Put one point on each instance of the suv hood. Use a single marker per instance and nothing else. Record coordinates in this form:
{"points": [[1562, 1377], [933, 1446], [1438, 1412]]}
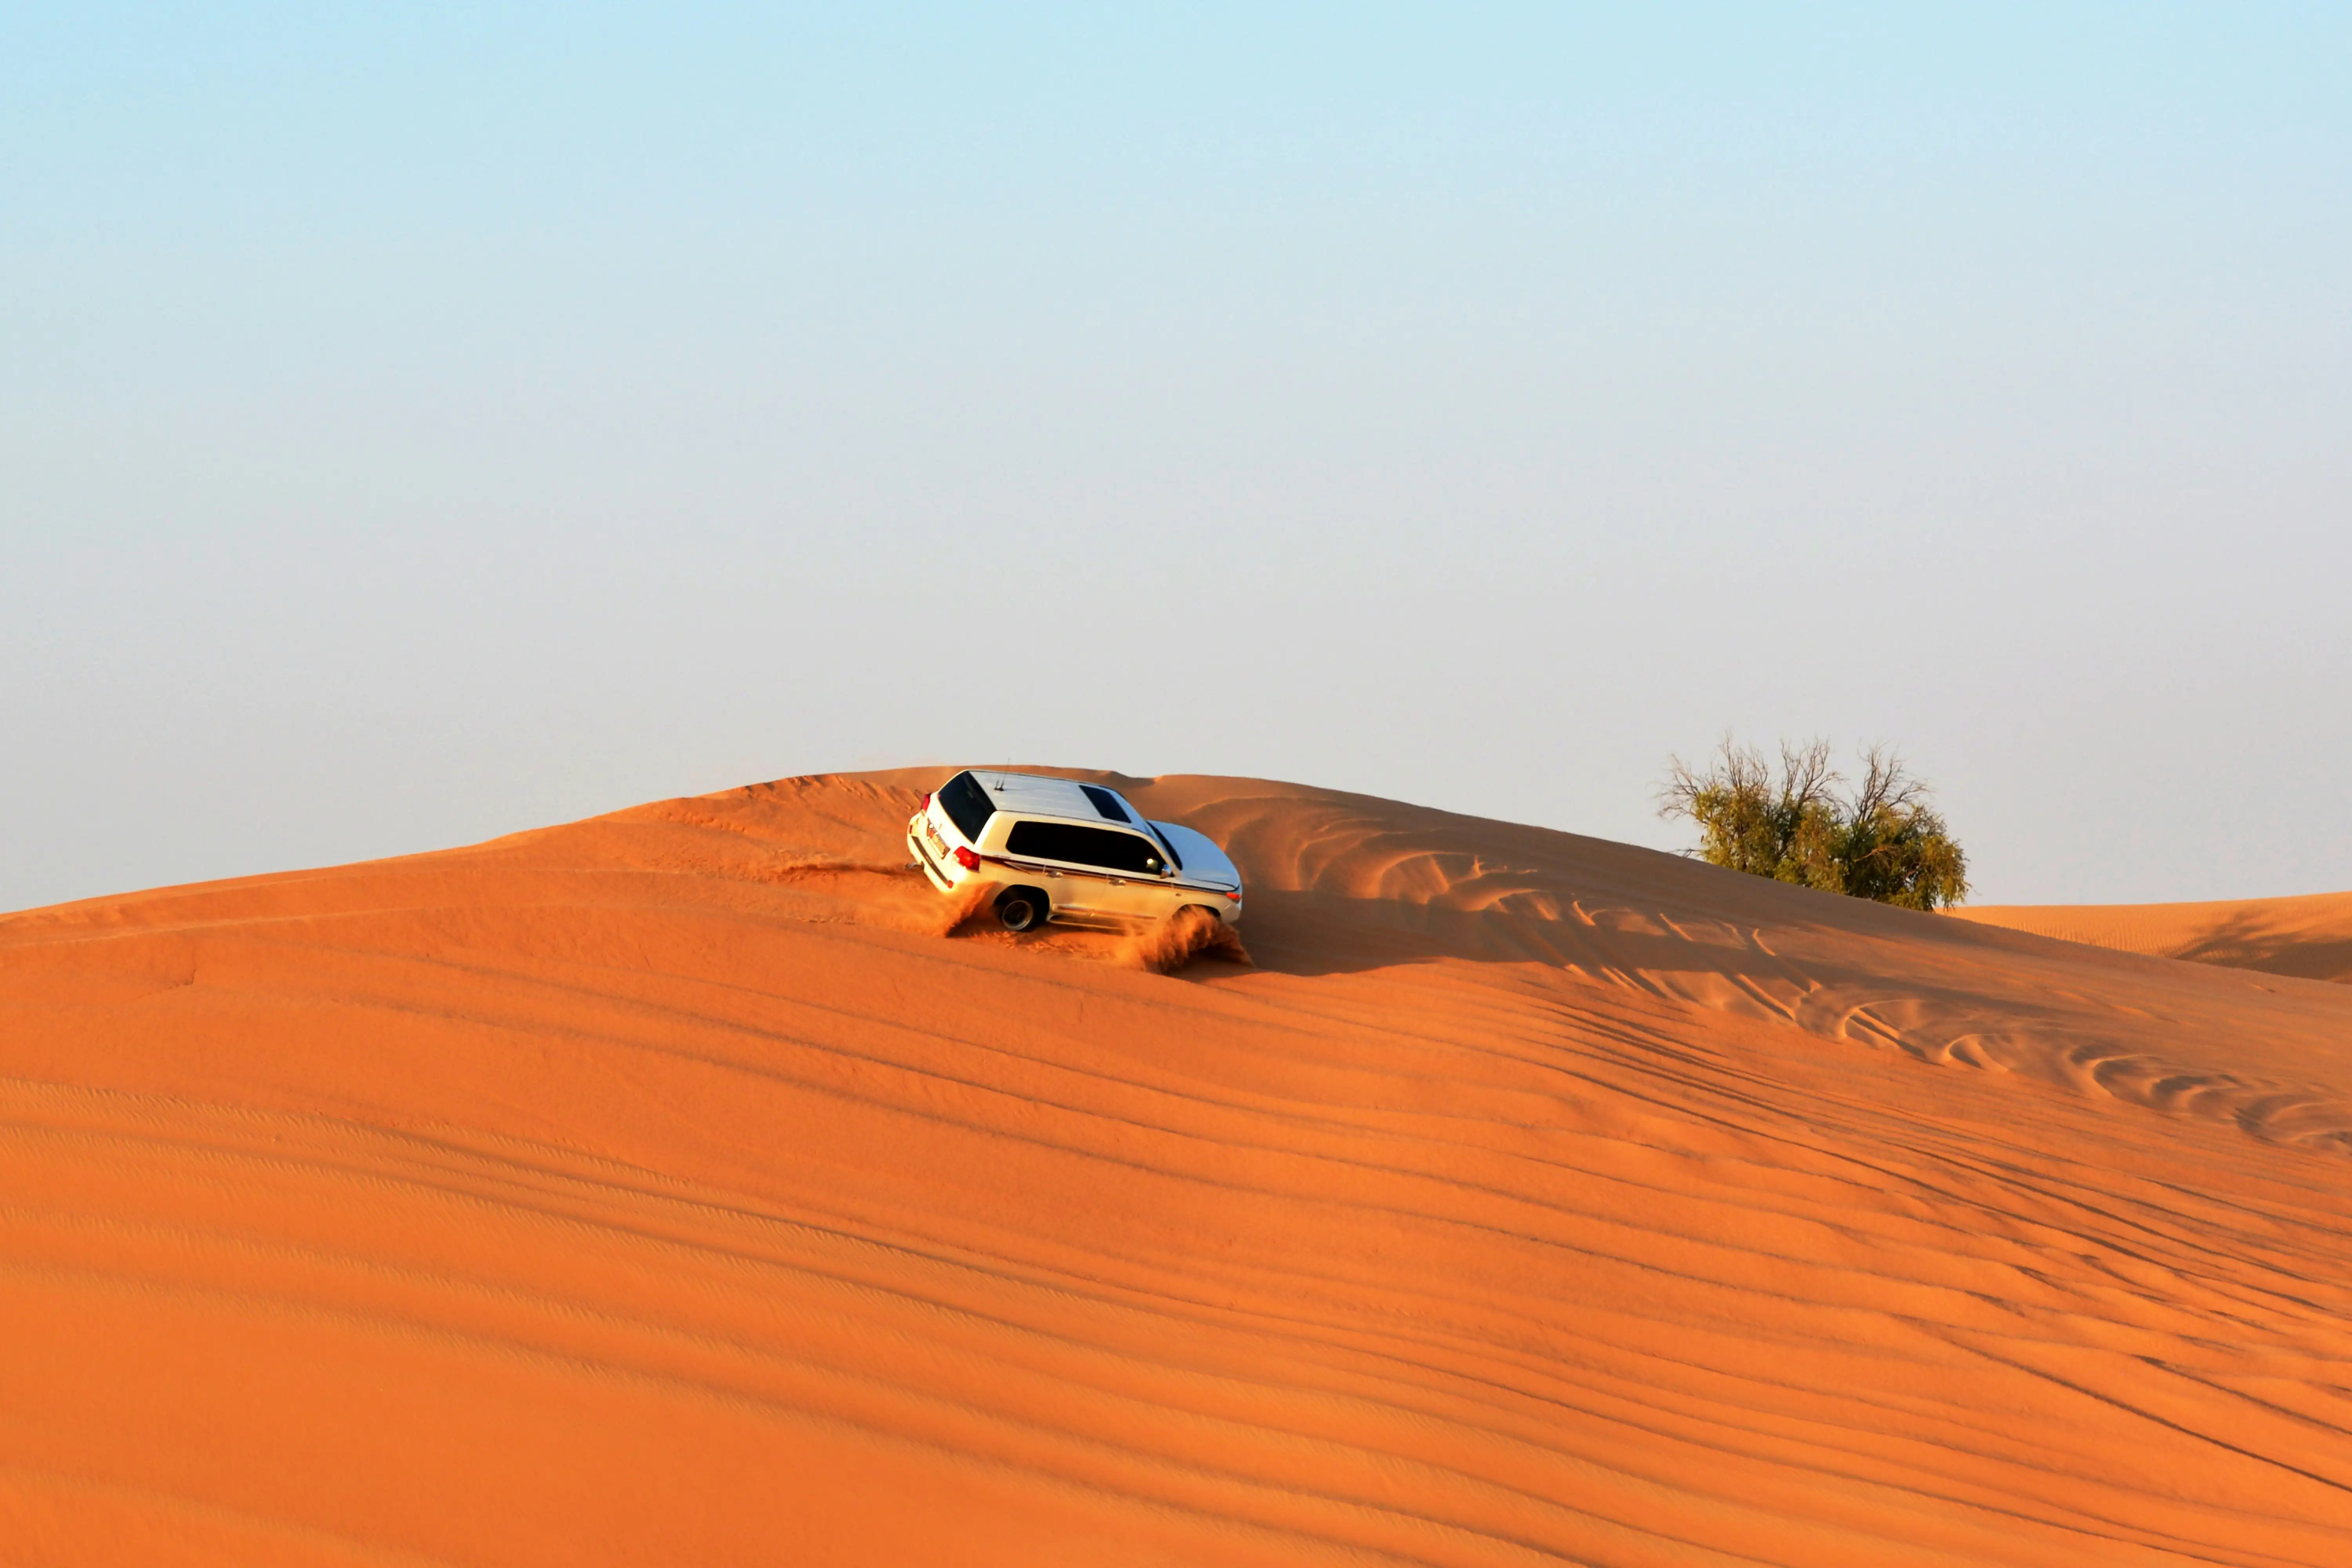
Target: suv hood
{"points": [[1204, 861]]}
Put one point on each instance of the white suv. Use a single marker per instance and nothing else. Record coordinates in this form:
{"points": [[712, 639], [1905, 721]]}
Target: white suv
{"points": [[1056, 850]]}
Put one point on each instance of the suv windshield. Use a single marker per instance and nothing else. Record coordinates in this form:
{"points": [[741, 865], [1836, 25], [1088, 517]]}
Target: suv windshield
{"points": [[966, 804]]}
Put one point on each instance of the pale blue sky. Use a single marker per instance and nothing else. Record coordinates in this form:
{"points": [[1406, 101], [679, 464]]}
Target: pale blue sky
{"points": [[419, 425]]}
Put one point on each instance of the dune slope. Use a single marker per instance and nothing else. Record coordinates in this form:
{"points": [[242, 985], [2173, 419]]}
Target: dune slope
{"points": [[2308, 937], [671, 1188]]}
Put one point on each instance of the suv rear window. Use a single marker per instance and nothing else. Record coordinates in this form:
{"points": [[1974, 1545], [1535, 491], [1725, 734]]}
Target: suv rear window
{"points": [[1105, 802], [1083, 846], [966, 804]]}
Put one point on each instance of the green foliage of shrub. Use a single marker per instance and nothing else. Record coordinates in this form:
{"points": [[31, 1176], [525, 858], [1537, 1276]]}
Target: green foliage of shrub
{"points": [[1884, 841]]}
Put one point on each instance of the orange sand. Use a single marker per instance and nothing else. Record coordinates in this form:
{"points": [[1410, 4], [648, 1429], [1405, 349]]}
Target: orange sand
{"points": [[2310, 937], [666, 1189]]}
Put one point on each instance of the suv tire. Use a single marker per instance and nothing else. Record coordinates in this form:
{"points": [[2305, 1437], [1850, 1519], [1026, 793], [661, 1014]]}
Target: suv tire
{"points": [[1021, 908]]}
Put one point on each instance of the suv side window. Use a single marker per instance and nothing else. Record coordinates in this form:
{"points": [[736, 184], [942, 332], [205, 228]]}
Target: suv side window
{"points": [[1125, 852]]}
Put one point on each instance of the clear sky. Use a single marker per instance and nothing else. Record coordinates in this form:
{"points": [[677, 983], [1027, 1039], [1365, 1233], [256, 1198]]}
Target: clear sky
{"points": [[421, 422]]}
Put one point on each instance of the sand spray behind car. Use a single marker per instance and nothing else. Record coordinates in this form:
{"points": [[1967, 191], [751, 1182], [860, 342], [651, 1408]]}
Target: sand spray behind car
{"points": [[1162, 947], [883, 894]]}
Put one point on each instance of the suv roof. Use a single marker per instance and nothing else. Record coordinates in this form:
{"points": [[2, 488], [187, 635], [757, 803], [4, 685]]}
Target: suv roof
{"points": [[1035, 796]]}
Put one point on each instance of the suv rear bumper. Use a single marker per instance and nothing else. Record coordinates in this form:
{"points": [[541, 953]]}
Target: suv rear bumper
{"points": [[922, 852]]}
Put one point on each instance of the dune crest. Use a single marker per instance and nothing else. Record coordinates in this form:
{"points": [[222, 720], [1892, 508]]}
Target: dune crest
{"points": [[2308, 937], [687, 1186]]}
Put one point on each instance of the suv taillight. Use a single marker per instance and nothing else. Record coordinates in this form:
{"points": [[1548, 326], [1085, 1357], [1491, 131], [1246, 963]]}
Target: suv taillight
{"points": [[927, 802], [966, 858]]}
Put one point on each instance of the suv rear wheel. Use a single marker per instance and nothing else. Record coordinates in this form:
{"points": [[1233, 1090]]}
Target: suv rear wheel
{"points": [[1021, 908]]}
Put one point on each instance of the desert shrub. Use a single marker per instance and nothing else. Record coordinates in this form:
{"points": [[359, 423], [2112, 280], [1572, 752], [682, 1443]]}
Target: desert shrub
{"points": [[1883, 841]]}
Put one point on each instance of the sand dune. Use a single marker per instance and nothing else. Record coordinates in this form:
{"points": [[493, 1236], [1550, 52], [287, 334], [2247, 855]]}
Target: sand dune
{"points": [[2309, 937], [671, 1188]]}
